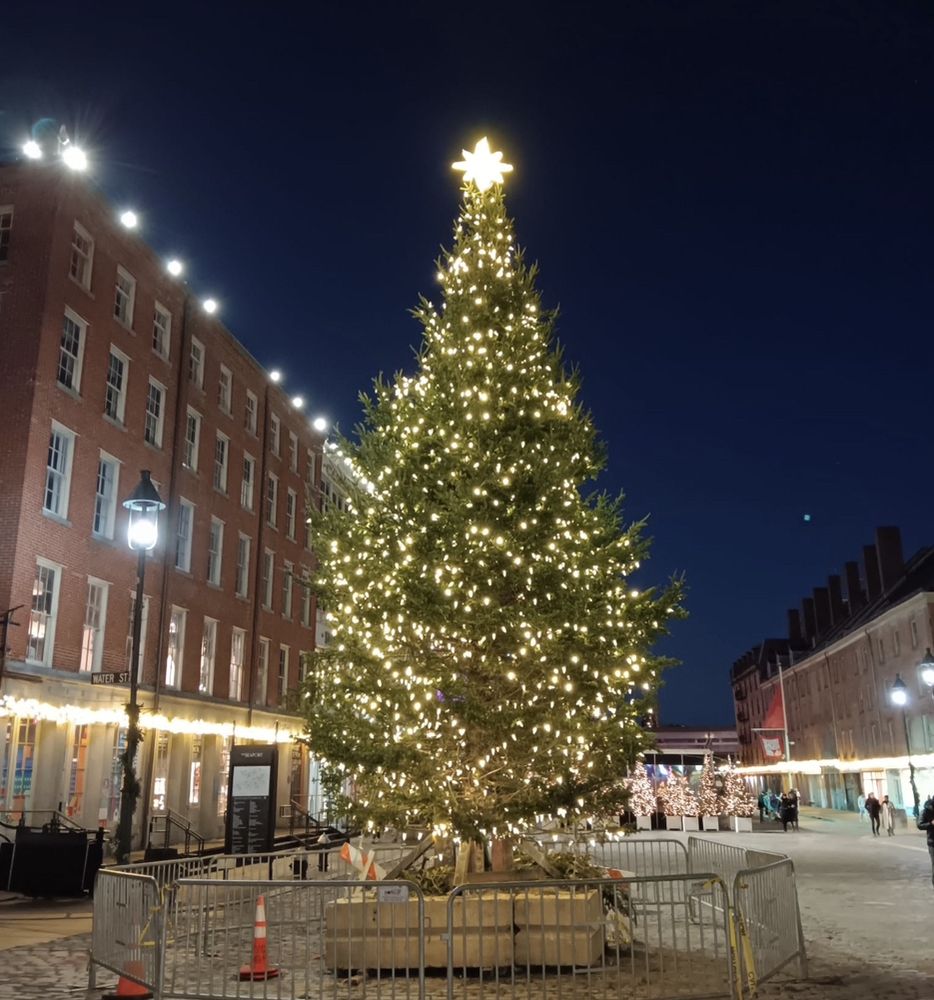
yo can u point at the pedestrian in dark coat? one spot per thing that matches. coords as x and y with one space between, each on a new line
926 822
874 811
787 811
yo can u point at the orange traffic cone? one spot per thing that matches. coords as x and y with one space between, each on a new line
259 968
129 987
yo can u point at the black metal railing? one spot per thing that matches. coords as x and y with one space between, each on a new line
171 822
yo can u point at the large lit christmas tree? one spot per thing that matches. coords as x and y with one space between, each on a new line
708 799
491 656
738 800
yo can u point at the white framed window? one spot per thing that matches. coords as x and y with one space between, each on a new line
175 648
124 297
196 363
262 672
224 389
215 551
71 351
115 391
308 527
6 230
192 439
95 618
82 256
914 633
284 652
105 496
269 570
183 532
249 412
306 598
143 626
896 642
43 613
272 499
882 651
161 331
194 771
58 470
208 652
293 451
287 584
291 502
242 585
221 454
237 647
275 432
155 414
247 482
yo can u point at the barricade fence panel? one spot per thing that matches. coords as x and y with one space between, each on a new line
767 916
127 931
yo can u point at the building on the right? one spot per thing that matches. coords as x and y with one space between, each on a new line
845 702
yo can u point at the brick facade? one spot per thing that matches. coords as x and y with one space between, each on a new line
61 337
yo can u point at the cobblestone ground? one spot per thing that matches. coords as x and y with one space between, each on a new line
867 908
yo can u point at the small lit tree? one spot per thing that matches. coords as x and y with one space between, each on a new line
677 797
709 800
738 800
641 794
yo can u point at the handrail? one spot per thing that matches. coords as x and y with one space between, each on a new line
57 820
170 819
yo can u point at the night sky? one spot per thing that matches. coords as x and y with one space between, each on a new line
731 202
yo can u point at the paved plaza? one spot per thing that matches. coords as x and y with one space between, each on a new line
867 906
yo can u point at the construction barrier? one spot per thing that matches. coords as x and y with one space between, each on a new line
128 931
674 931
765 900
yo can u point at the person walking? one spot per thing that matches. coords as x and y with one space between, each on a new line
763 805
786 811
888 816
861 807
793 795
926 822
874 812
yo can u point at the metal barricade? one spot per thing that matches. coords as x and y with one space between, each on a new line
321 939
593 939
715 856
768 921
127 932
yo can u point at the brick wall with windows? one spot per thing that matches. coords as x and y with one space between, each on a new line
96 343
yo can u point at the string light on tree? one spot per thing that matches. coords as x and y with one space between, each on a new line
738 800
677 797
641 795
491 656
709 796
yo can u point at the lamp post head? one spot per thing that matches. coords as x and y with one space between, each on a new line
926 667
899 692
144 504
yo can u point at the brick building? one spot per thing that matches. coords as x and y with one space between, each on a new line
834 672
110 365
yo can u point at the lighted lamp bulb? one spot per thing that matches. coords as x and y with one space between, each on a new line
899 697
75 158
175 267
275 376
209 306
32 150
298 402
484 167
142 534
927 675
320 424
129 218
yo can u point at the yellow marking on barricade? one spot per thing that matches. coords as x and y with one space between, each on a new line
746 945
743 946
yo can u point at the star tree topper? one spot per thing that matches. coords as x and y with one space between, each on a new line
484 167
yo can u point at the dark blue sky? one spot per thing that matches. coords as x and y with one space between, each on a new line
730 201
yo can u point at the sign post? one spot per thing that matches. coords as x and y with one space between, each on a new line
251 800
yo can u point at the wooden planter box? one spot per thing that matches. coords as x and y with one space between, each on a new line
710 824
365 933
558 928
690 823
742 824
673 822
643 822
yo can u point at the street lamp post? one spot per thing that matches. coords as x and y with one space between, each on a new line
144 505
899 696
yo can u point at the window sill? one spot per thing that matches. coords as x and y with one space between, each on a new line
114 422
75 394
57 518
222 493
214 586
151 446
124 325
104 539
84 288
183 571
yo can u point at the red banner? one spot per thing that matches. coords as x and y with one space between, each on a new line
773 747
